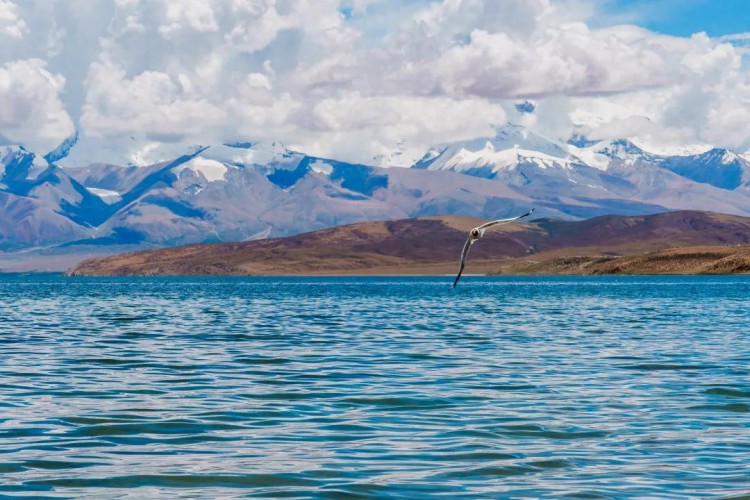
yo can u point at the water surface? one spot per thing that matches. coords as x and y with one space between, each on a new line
375 387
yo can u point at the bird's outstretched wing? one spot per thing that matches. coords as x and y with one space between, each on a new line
504 221
470 241
464 254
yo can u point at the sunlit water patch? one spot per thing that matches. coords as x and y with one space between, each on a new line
375 387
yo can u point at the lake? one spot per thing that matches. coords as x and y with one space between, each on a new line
564 387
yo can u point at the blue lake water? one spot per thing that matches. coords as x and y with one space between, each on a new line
614 387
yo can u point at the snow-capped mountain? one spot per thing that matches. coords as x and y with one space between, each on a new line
604 154
523 159
487 157
224 192
720 168
142 193
40 204
600 170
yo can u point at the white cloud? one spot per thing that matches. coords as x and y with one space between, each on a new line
150 102
32 112
11 23
196 15
355 127
355 83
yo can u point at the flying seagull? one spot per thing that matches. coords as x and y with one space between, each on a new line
477 233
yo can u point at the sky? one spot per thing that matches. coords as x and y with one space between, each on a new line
685 17
359 80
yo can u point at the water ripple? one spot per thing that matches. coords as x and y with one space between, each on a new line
596 387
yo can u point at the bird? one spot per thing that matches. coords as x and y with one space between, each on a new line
477 233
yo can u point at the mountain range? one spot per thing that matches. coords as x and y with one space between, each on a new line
88 197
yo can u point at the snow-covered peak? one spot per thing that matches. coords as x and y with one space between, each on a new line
16 155
63 149
488 157
511 146
8 150
728 158
622 149
719 157
601 154
515 136
211 170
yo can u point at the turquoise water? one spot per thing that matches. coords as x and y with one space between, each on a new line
375 387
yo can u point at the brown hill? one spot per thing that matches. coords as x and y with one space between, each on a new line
683 260
432 245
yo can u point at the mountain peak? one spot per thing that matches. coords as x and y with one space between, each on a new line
720 156
620 148
63 149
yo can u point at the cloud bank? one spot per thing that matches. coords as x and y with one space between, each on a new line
358 79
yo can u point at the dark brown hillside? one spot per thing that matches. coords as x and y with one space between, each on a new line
647 233
431 246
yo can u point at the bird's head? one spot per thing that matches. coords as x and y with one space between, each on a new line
476 233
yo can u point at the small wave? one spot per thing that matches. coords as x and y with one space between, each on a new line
178 481
732 407
732 393
666 367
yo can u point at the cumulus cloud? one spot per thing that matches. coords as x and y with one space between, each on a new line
360 128
705 103
11 24
360 78
32 112
196 15
150 102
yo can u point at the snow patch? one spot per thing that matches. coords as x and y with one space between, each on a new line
321 167
211 170
106 195
591 157
465 159
431 155
728 158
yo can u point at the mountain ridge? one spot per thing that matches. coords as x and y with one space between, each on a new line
247 190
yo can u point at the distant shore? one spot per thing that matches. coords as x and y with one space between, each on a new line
668 243
675 261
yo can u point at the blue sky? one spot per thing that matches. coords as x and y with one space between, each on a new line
685 17
671 17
